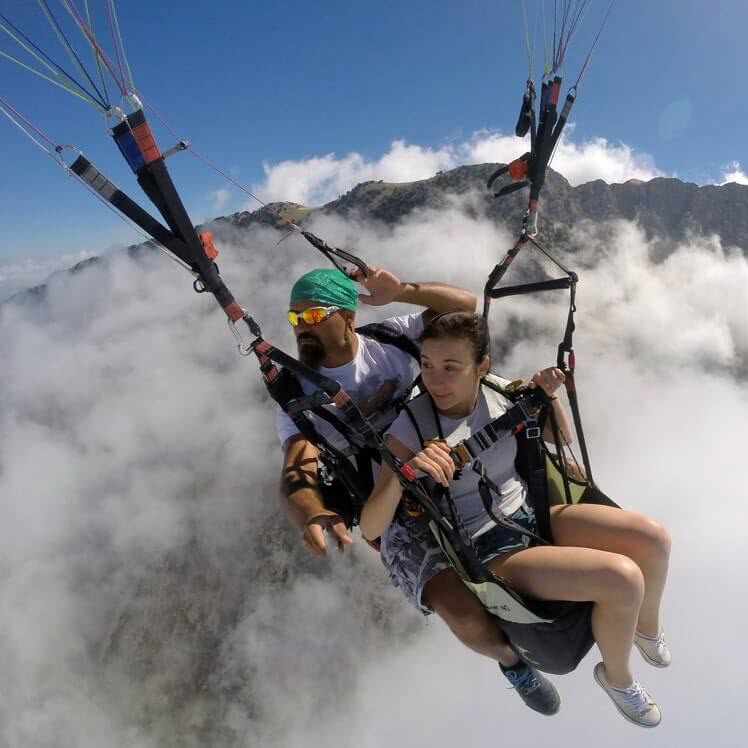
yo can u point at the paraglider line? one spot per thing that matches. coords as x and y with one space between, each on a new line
115 45
51 66
594 43
61 36
17 115
88 33
97 59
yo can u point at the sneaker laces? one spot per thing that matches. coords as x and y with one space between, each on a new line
658 642
525 683
636 697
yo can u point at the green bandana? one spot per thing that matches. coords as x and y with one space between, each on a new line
328 287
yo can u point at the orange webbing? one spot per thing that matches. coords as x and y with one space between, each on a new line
517 169
146 143
555 91
210 249
233 311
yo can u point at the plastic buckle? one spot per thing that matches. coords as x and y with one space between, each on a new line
408 472
532 432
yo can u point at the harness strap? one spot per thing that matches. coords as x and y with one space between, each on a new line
285 388
514 420
485 487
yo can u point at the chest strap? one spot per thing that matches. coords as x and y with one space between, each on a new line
514 420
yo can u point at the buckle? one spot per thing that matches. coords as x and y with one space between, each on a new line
515 385
460 455
532 432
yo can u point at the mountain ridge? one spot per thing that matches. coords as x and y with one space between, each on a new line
667 209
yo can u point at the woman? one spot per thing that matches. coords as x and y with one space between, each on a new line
614 558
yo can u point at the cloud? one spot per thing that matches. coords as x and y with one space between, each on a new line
319 179
599 159
15 276
219 199
733 173
150 590
596 158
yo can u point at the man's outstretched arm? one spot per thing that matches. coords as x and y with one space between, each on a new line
437 297
385 287
303 500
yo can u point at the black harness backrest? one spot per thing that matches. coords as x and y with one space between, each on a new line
345 482
530 460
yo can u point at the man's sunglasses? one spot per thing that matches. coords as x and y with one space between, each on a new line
312 316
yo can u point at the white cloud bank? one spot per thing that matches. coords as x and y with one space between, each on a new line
218 199
734 173
128 425
319 179
21 274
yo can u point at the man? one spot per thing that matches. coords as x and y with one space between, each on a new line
375 375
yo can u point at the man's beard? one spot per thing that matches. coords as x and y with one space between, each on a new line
311 350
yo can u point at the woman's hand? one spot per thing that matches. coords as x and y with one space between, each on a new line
549 380
436 462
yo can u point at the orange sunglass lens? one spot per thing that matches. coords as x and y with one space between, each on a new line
310 316
314 316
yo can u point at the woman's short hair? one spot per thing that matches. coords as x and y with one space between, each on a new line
460 326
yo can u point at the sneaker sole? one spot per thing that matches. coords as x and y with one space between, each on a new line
623 714
540 711
648 659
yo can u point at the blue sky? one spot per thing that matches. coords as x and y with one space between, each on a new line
255 83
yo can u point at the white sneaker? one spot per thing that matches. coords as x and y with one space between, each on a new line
634 703
653 649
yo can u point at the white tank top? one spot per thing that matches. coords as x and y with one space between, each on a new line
498 459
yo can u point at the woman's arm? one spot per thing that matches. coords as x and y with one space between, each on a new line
562 419
380 507
549 380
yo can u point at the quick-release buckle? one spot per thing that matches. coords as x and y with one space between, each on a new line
460 452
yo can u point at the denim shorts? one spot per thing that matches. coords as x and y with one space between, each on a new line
499 539
412 556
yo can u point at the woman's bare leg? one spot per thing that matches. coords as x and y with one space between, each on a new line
614 583
468 620
641 539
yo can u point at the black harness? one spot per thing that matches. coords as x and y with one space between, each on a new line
345 477
559 641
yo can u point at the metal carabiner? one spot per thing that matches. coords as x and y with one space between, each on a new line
245 349
113 117
60 149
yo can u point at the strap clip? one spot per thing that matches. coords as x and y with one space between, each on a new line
461 455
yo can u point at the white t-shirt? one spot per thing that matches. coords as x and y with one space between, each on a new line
378 375
498 460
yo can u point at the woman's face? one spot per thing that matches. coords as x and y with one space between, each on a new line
450 373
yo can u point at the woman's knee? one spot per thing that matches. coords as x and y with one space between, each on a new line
622 581
652 540
658 538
